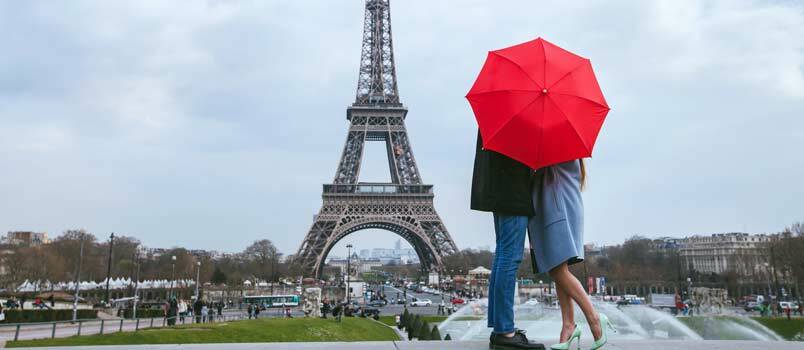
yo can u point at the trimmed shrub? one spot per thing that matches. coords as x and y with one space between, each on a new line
424 331
448 337
28 316
414 327
435 334
403 319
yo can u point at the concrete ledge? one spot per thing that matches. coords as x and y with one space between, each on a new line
458 345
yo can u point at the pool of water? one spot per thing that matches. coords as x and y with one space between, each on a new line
631 322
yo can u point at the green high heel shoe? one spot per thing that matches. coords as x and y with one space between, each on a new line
604 325
576 334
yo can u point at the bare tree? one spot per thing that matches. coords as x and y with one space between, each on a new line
264 256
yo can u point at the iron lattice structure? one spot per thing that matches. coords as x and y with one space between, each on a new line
403 206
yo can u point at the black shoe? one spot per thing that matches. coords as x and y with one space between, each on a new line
518 341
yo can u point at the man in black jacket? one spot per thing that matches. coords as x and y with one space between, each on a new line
503 186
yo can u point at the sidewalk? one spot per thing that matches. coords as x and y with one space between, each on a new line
458 345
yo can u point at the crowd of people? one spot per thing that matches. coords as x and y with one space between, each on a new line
254 310
203 311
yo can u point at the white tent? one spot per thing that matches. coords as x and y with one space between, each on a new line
479 271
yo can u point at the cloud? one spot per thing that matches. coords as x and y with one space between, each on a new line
211 124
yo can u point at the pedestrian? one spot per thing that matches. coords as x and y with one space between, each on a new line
204 313
325 309
52 300
22 302
257 311
777 310
800 308
182 310
787 311
197 305
220 309
2 314
250 310
172 311
337 311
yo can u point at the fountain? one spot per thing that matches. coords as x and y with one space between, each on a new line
631 321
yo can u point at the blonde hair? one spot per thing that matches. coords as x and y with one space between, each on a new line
583 174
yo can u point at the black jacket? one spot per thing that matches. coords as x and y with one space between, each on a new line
501 184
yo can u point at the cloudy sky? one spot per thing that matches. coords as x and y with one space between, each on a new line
210 124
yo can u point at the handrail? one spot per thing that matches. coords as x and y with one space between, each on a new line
119 323
51 322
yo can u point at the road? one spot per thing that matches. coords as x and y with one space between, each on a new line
396 309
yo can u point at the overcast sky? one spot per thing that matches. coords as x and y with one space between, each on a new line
211 124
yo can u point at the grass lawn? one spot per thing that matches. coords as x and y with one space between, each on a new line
391 320
783 327
249 331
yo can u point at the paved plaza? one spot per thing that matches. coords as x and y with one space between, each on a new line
458 345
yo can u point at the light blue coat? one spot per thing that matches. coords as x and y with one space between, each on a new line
556 231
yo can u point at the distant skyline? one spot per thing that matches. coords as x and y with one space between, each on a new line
210 125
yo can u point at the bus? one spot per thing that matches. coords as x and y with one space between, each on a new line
272 301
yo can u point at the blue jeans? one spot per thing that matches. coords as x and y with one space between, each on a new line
510 233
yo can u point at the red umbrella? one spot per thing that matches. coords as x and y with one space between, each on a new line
538 103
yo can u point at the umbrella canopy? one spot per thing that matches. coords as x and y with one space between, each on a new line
538 104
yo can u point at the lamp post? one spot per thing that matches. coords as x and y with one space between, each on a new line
348 272
767 267
136 285
172 275
197 279
78 280
109 266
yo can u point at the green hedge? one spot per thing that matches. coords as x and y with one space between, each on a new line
26 316
143 313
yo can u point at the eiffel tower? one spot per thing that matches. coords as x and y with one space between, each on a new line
405 205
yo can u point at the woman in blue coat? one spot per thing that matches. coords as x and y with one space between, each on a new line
556 237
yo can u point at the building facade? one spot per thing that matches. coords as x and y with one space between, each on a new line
26 238
742 253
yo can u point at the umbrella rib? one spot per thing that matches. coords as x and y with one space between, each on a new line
520 68
583 98
570 72
575 129
493 91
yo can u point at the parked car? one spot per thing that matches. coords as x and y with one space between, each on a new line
532 302
458 301
421 302
377 302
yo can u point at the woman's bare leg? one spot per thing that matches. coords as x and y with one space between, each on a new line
567 314
573 288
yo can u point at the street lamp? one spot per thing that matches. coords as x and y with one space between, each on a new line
767 267
172 275
197 279
78 279
109 266
348 271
